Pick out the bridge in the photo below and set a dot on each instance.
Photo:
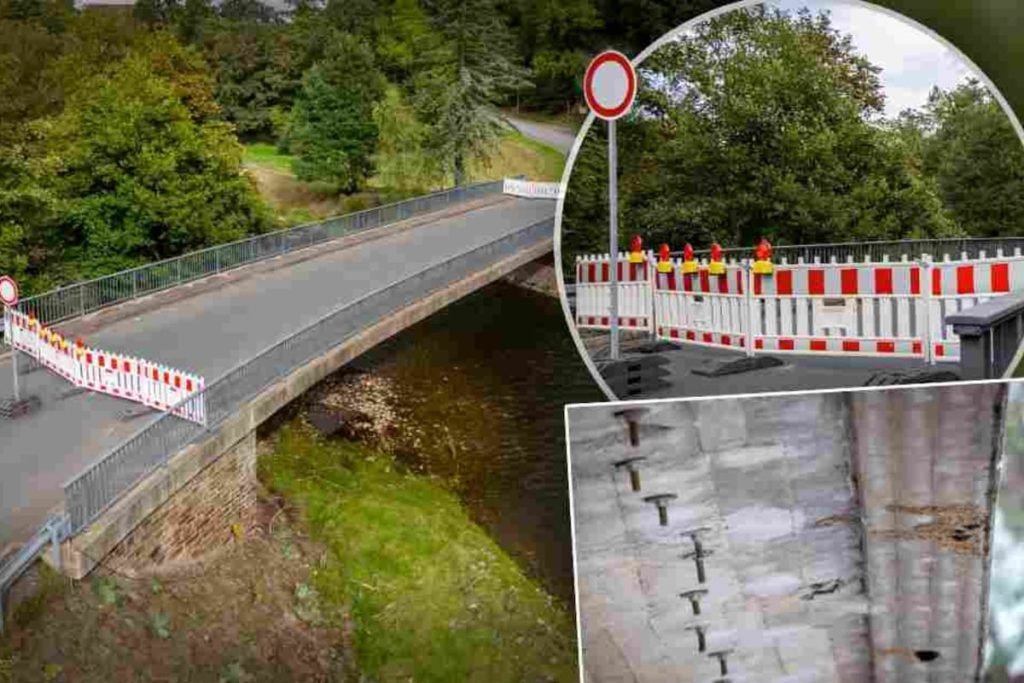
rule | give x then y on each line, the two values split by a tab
271	316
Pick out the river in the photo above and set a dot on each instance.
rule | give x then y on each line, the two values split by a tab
474	396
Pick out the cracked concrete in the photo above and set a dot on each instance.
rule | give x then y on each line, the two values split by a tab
842	537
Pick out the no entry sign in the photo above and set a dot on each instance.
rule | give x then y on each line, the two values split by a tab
609	85
8	291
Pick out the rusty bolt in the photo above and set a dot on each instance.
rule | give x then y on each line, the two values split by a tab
661	500
701	630
634	472
694	597
694	535
632	417
698	558
720	655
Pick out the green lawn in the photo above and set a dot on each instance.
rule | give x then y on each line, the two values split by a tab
432	597
266	155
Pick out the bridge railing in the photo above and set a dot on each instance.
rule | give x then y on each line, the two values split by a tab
95	489
88	296
843	252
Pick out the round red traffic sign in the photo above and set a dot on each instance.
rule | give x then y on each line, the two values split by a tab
609	85
8	291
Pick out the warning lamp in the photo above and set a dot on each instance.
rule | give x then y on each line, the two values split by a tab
636	254
716	267
689	265
763	258
664	260
79	343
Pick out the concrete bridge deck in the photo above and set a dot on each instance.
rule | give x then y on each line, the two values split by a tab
211	326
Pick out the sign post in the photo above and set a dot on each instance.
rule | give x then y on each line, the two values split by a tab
609	87
9	298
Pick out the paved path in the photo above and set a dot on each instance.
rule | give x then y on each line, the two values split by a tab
210	334
559	137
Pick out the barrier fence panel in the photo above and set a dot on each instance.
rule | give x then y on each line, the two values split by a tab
635	293
873	308
833	308
702	308
133	379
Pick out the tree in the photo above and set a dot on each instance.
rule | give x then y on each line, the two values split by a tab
402	162
467	78
759	123
974	153
142	171
333	132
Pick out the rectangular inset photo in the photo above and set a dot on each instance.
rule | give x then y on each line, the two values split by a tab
811	537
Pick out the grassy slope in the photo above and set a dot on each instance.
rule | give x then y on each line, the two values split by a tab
432	597
297	202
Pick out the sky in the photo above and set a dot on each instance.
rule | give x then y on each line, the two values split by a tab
911	60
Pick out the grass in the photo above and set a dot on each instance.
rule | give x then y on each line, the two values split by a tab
519	155
267	156
431	596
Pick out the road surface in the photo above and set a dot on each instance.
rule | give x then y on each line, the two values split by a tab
559	137
210	334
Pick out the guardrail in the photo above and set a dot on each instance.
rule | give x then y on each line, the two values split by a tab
94	490
990	336
51	534
85	297
844	252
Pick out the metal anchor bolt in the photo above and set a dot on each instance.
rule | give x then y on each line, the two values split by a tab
694	597
634	472
700	629
721	655
694	535
661	500
698	558
632	417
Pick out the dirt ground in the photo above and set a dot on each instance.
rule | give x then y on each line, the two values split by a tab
247	613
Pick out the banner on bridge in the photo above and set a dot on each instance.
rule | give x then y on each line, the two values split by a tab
532	189
134	379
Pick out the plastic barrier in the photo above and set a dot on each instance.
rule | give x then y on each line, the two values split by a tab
126	377
532	189
873	308
593	292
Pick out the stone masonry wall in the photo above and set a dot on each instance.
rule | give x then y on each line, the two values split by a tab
197	519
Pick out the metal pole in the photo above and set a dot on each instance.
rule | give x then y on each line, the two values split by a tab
613	240
749	295
9	333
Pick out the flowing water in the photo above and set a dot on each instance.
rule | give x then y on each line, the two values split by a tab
480	388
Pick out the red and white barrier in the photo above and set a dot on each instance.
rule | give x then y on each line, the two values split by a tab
886	308
635	292
125	377
702	308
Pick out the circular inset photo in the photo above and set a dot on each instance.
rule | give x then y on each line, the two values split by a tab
792	195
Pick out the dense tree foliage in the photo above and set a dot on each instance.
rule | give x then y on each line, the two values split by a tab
332	129
767	123
119	129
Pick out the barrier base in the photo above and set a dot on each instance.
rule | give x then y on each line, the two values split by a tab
892	377
736	366
10	409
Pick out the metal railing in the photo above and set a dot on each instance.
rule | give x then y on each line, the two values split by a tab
95	489
88	296
51	535
990	336
973	247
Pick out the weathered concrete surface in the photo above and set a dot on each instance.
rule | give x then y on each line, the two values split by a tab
155	492
801	582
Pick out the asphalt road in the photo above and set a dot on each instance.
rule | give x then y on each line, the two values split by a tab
559	137
797	373
209	334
